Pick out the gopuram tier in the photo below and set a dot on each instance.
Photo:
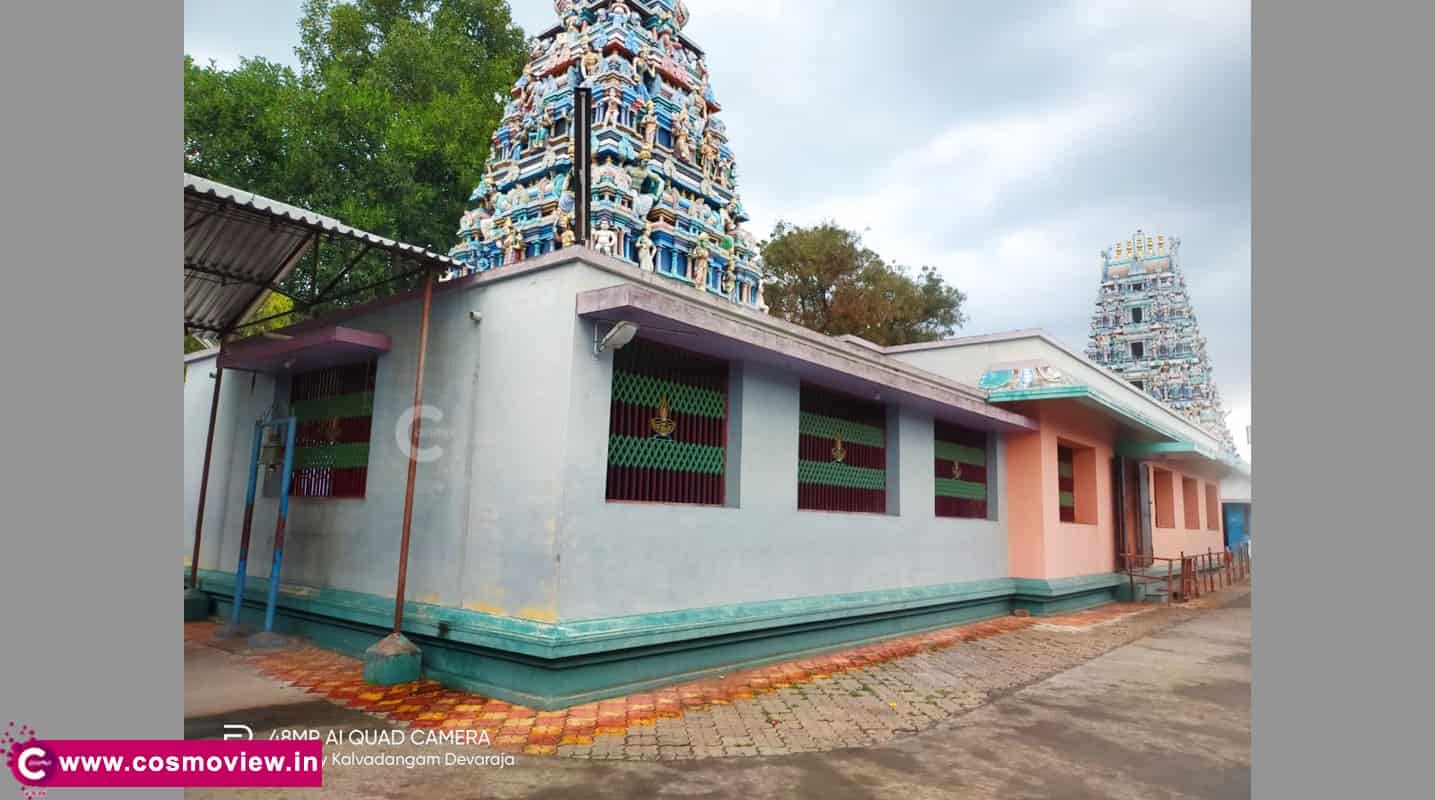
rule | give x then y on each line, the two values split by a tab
1144	329
663	192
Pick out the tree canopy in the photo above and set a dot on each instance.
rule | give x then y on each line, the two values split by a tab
825	279
385	125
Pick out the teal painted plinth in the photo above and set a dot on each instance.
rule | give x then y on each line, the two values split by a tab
1125	593
556	665
196	605
1045	598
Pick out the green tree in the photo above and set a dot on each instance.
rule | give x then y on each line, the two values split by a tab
825	279
385	126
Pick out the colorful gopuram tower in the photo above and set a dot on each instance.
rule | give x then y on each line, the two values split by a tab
663	184
1145	330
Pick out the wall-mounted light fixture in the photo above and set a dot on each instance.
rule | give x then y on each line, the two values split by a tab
617	336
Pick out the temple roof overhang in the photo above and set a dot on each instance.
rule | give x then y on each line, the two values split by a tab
1029	365
722	330
316	348
1144	431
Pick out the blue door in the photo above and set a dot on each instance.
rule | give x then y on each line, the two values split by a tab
1236	515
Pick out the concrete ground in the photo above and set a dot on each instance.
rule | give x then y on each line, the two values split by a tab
1164	716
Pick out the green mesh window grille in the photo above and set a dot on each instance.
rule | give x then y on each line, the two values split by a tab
841	452
334	410
961	464
667	426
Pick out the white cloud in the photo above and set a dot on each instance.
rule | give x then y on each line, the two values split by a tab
747	9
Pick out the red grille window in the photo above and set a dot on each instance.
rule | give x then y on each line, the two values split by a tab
667	429
961	464
841	453
334	411
1066	482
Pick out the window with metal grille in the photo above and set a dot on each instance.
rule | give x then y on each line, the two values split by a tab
334	411
841	452
961	463
1163	493
1066	482
1076	482
667	428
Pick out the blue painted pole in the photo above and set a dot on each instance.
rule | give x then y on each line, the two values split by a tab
248	521
291	424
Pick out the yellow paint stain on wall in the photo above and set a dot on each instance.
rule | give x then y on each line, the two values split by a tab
485	608
539	614
430	599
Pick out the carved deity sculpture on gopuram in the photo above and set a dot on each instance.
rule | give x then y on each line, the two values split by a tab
664	184
1145	330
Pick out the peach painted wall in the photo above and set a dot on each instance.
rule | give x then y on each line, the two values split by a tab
1170	542
1040	545
1027	486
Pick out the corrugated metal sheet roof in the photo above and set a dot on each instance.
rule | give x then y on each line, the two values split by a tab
237	244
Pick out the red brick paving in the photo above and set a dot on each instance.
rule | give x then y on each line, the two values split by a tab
427	704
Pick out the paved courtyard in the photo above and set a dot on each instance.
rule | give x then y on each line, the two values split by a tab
1123	701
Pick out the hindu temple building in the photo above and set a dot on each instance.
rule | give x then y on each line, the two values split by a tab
628	474
664	191
1144	329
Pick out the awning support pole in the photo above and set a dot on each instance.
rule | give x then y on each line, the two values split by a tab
395	659
234	628
268	638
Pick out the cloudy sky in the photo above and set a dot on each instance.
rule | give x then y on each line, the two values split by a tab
1004	143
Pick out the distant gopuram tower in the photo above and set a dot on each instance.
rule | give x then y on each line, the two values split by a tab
1145	330
663	193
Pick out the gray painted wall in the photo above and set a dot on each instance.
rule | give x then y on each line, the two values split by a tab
511	518
198	394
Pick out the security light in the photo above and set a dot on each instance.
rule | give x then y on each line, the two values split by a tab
617	336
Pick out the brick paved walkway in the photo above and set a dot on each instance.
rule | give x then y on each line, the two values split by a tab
849	698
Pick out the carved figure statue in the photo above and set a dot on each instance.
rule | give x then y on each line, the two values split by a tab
565	229
513	246
698	262
605	239
611	106
682	144
588	65
647	251
709	154
619	12
650	127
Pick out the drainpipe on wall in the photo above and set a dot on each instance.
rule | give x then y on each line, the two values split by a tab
196	603
395	659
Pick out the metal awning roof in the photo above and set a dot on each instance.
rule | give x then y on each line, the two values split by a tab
239	245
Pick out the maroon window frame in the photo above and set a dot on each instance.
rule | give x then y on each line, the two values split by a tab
973	473
815	447
657	477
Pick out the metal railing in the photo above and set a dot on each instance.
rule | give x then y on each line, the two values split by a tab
1189	576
